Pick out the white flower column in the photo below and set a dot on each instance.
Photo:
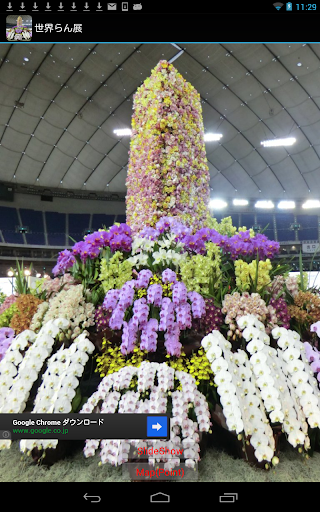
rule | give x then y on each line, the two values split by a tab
59	385
18	373
273	387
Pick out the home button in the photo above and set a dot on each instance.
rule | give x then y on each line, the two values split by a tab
159	497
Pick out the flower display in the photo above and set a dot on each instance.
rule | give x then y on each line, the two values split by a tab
174	312
21	365
59	385
197	271
65	261
248	273
261	386
70	304
112	360
212	319
8	301
37	319
167	168
102	318
235	306
115	395
26	308
281	312
306	308
53	286
115	272
292	284
277	287
174	315
7	314
197	365
242	244
117	238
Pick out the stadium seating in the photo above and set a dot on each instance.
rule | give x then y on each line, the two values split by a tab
34	221
78	224
308	227
60	229
284	221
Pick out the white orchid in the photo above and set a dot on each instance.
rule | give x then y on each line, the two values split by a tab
296	437
62	323
246	321
264	452
222	377
214	352
250	333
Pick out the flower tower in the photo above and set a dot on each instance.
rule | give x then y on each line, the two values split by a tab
167	172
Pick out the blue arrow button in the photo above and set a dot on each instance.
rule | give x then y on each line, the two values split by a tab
157	426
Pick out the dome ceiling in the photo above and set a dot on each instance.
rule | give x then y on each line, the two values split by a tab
60	105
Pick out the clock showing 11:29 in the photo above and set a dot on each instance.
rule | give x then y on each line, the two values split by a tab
306	7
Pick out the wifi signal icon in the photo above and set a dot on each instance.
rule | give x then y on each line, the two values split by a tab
278	5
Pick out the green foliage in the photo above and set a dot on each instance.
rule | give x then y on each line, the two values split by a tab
22	282
2	297
96	295
76	402
302	280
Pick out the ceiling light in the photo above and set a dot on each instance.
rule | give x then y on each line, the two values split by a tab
27	272
240	202
217	204
311	203
279	142
264	204
208	137
122	132
10	273
286	205
38	275
26	59
299	64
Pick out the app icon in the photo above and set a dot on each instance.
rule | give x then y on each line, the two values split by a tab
137	7
289	6
125	6
18	28
112	7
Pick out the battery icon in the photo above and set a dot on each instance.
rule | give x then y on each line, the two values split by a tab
288	6
228	497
